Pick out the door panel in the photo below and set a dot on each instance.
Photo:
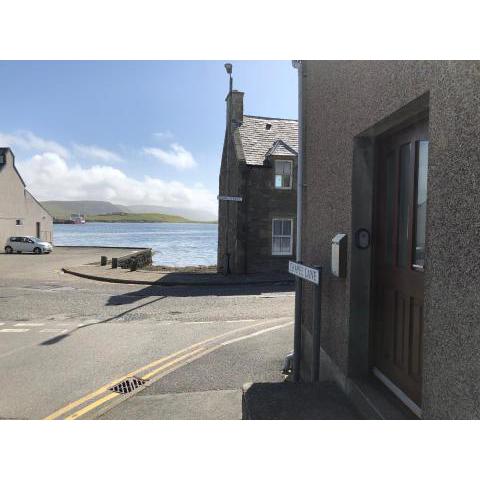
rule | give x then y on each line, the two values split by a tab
399	236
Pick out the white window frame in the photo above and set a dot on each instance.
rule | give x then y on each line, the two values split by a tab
289	187
284	254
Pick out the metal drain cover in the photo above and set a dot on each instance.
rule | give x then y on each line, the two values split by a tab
128	385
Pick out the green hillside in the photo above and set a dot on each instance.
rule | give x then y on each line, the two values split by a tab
63	209
138	218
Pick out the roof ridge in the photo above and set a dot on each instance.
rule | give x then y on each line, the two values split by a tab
272	118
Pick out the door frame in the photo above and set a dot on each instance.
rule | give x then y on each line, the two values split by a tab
362	259
404	133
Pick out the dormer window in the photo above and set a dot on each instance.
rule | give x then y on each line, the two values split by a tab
283	174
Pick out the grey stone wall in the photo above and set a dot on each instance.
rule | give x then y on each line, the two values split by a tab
231	214
142	258
263	203
343	100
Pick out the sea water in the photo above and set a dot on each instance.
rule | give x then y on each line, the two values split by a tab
173	244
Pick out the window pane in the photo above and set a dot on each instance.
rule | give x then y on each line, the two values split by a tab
421	204
285	245
389	203
287	227
276	245
277	227
286	181
278	181
402	233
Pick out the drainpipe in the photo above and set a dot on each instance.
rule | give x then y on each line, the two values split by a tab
297	331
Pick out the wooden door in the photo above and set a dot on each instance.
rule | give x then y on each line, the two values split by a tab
399	236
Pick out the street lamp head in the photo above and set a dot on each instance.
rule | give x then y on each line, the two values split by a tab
228	68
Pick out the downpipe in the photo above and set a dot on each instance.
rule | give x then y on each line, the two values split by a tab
297	329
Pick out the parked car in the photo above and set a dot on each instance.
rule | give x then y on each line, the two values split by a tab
27	244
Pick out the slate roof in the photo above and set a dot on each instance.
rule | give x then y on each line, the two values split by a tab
254	140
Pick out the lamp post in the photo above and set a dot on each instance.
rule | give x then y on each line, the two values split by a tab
228	69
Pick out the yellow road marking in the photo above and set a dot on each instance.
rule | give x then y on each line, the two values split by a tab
173	362
93	405
105	388
106	398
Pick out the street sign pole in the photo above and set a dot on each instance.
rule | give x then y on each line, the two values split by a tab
297	330
317	324
312	275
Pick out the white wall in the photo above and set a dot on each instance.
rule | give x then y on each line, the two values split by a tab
16	203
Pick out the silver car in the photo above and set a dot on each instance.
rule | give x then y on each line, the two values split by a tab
27	244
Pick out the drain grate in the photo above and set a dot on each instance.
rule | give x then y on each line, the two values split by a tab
128	385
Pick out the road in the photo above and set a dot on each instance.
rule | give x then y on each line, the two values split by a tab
64	341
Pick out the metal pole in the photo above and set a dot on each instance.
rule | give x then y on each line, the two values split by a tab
229	121
317	327
297	332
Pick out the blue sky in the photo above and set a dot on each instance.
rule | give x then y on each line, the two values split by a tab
131	132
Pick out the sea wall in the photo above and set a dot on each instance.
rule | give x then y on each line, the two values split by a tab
141	257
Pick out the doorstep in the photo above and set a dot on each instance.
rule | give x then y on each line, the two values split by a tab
296	401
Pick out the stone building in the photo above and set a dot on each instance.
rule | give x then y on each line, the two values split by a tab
20	213
256	227
391	158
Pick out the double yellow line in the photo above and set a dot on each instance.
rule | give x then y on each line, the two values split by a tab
157	369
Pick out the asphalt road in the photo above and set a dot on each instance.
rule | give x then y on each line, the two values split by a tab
63	337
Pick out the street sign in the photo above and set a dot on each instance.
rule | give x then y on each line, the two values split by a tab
229	199
302	271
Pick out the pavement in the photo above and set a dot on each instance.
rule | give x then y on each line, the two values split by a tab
150	277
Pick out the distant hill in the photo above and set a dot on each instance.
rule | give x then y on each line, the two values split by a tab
199	215
63	209
138	218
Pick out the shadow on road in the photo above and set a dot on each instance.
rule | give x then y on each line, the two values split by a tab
197	291
59	338
162	292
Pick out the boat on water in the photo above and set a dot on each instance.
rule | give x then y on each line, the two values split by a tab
77	219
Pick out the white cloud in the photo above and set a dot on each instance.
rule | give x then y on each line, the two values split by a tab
96	153
49	177
167	135
177	156
28	141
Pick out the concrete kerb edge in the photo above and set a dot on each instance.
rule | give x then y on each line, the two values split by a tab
170	283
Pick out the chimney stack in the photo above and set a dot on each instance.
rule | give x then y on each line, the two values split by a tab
236	106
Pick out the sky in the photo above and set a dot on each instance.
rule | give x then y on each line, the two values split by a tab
131	132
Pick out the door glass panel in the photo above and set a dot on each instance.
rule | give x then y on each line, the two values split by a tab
389	204
403	189
421	205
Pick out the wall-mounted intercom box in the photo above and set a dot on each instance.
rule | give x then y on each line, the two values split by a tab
339	255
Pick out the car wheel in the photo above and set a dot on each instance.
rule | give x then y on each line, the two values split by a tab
37	250
8	249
